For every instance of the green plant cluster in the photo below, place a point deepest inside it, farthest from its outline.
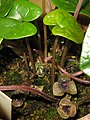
(16, 17)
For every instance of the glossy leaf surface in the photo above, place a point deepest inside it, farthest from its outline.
(70, 6)
(16, 24)
(5, 7)
(24, 10)
(86, 10)
(64, 25)
(13, 29)
(1, 39)
(85, 55)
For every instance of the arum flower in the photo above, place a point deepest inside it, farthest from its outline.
(64, 85)
(66, 108)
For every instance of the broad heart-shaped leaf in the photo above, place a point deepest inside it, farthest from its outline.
(5, 7)
(24, 10)
(13, 29)
(70, 6)
(85, 55)
(64, 25)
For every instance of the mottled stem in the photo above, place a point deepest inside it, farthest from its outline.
(45, 40)
(78, 9)
(31, 56)
(53, 60)
(29, 89)
(38, 33)
(73, 77)
(49, 5)
(63, 58)
(39, 52)
(44, 30)
(77, 73)
(26, 62)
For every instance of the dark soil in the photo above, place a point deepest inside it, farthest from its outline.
(13, 71)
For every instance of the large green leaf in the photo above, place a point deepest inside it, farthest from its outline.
(86, 10)
(13, 29)
(5, 6)
(64, 25)
(70, 6)
(24, 10)
(85, 55)
(1, 39)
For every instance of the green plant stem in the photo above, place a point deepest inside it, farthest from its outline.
(53, 60)
(31, 56)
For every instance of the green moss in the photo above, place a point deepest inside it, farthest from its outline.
(51, 114)
(13, 78)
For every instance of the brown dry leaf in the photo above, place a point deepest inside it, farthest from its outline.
(72, 110)
(66, 108)
(65, 101)
(56, 90)
(63, 114)
(1, 80)
(17, 103)
(72, 88)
